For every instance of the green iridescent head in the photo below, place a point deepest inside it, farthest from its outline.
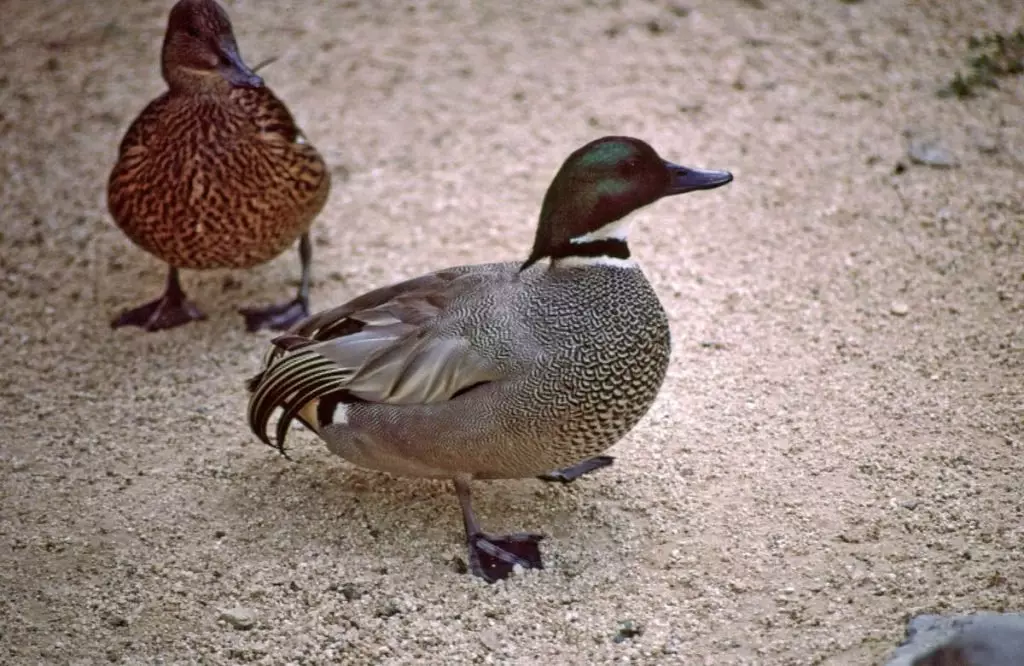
(603, 182)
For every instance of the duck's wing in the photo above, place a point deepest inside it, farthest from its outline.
(277, 129)
(271, 116)
(384, 346)
(124, 180)
(147, 125)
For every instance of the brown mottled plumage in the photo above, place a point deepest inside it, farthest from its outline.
(214, 173)
(493, 371)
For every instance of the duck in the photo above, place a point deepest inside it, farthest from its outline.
(506, 370)
(214, 173)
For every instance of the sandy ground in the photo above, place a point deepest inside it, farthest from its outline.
(838, 443)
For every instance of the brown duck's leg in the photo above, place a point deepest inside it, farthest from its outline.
(170, 310)
(283, 316)
(570, 474)
(495, 557)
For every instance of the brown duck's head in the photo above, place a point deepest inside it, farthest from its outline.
(200, 52)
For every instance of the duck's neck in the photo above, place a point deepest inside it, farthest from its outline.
(605, 246)
(192, 83)
(612, 252)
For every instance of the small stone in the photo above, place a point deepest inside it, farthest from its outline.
(737, 586)
(239, 617)
(910, 504)
(490, 640)
(627, 630)
(458, 565)
(351, 591)
(930, 152)
(899, 308)
(388, 609)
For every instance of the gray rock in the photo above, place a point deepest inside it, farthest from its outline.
(930, 151)
(239, 617)
(982, 639)
(899, 308)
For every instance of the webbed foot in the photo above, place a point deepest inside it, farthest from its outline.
(494, 558)
(279, 317)
(170, 310)
(570, 474)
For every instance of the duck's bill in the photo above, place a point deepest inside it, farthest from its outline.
(686, 179)
(236, 71)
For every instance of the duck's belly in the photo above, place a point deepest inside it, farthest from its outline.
(507, 432)
(418, 442)
(205, 221)
(204, 241)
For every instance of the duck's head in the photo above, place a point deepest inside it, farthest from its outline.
(200, 52)
(599, 185)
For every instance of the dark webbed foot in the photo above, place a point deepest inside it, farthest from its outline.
(570, 474)
(278, 317)
(283, 316)
(494, 558)
(170, 310)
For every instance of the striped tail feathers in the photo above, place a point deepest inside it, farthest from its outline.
(290, 383)
(278, 347)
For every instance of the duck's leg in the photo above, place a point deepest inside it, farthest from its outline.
(570, 474)
(494, 557)
(170, 310)
(283, 316)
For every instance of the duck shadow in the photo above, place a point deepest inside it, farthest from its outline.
(328, 505)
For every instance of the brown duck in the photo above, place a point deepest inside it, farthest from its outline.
(214, 173)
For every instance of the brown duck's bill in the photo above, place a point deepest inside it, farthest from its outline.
(236, 71)
(687, 179)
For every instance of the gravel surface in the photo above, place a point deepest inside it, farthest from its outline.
(838, 445)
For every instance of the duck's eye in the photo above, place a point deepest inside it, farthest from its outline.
(193, 32)
(630, 166)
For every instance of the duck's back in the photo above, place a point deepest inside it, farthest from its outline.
(216, 182)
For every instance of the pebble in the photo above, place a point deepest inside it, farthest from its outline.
(490, 640)
(351, 591)
(899, 308)
(628, 629)
(239, 617)
(930, 152)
